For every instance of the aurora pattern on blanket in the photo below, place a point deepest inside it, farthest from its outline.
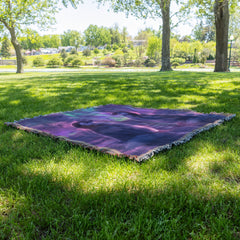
(123, 130)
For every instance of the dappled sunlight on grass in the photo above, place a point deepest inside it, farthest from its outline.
(52, 189)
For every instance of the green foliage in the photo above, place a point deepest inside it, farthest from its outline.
(124, 35)
(115, 35)
(77, 62)
(205, 33)
(154, 48)
(234, 25)
(74, 51)
(150, 62)
(31, 40)
(96, 50)
(115, 47)
(5, 49)
(24, 60)
(51, 41)
(105, 51)
(145, 35)
(86, 52)
(195, 56)
(175, 64)
(73, 61)
(125, 50)
(109, 62)
(109, 47)
(97, 36)
(119, 60)
(178, 60)
(71, 38)
(63, 54)
(126, 59)
(97, 62)
(17, 14)
(118, 52)
(38, 62)
(138, 62)
(192, 50)
(68, 60)
(54, 62)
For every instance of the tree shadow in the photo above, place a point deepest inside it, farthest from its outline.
(51, 209)
(162, 198)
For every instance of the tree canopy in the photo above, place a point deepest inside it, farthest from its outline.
(71, 38)
(97, 36)
(17, 15)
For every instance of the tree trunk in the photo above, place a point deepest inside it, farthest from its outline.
(221, 12)
(165, 8)
(17, 48)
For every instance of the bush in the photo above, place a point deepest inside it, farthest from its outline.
(68, 60)
(118, 52)
(86, 52)
(150, 62)
(115, 46)
(109, 61)
(74, 51)
(178, 60)
(175, 64)
(109, 48)
(203, 59)
(119, 60)
(73, 61)
(24, 60)
(38, 62)
(105, 52)
(126, 59)
(138, 62)
(54, 62)
(125, 50)
(63, 54)
(97, 62)
(96, 50)
(76, 62)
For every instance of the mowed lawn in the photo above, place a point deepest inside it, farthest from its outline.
(53, 190)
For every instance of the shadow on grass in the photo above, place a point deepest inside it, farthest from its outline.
(110, 198)
(48, 208)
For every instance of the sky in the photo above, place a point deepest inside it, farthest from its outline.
(88, 13)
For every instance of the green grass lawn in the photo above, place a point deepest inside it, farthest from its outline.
(52, 190)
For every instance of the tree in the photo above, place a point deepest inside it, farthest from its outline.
(51, 41)
(115, 35)
(72, 38)
(31, 41)
(205, 32)
(144, 35)
(234, 25)
(154, 48)
(97, 36)
(5, 50)
(15, 15)
(124, 35)
(144, 9)
(221, 10)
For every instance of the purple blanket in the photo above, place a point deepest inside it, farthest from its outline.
(136, 133)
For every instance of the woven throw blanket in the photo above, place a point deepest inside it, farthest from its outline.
(126, 131)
